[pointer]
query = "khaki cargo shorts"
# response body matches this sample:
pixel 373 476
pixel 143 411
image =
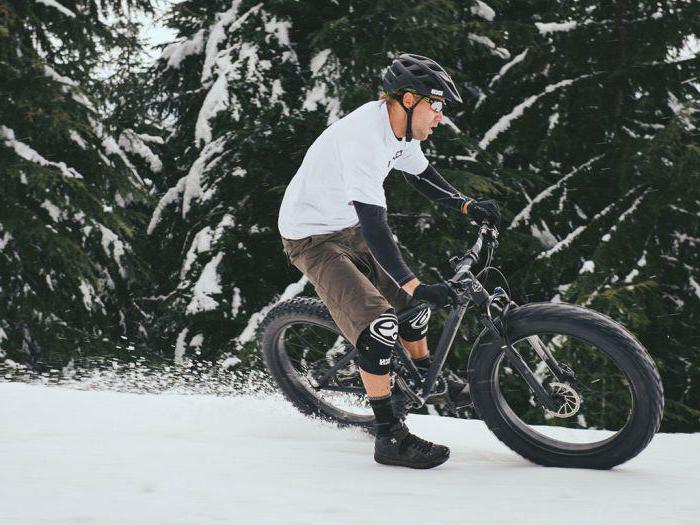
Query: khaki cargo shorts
pixel 347 278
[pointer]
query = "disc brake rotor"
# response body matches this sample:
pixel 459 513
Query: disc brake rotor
pixel 569 398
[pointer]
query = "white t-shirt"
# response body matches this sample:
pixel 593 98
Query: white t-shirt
pixel 348 162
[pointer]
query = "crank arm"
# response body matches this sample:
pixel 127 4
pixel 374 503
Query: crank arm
pixel 535 386
pixel 323 380
pixel 414 398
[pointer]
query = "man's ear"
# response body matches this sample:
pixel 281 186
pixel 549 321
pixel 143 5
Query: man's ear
pixel 409 99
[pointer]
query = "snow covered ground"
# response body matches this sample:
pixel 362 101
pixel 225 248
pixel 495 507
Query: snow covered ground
pixel 71 456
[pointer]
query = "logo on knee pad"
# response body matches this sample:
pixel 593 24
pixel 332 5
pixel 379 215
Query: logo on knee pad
pixel 385 329
pixel 420 320
pixel 385 362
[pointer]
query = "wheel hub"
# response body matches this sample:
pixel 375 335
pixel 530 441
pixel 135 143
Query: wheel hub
pixel 569 399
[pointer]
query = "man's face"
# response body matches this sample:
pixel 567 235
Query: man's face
pixel 425 119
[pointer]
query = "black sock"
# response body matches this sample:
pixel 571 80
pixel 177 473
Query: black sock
pixel 384 414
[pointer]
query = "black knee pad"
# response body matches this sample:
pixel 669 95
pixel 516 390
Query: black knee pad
pixel 415 327
pixel 376 342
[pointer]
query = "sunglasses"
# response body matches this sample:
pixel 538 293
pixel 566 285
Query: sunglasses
pixel 436 105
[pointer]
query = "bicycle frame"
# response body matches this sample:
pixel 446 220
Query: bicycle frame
pixel 471 290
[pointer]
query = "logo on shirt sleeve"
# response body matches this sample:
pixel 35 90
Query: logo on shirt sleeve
pixel 393 159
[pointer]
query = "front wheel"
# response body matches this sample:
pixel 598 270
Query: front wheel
pixel 608 414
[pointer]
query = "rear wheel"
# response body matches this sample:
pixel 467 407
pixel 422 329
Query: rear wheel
pixel 606 416
pixel 300 345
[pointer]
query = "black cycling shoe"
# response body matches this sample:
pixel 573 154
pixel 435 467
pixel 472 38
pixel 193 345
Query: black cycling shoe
pixel 401 448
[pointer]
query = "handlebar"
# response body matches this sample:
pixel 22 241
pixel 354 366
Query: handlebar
pixel 463 264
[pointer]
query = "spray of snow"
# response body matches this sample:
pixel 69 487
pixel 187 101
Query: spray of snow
pixel 524 215
pixel 505 121
pixel 26 152
pixel 59 7
pixel 500 52
pixel 207 285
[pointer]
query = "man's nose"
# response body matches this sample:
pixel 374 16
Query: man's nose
pixel 439 117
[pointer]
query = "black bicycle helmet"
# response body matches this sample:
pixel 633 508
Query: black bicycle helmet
pixel 421 75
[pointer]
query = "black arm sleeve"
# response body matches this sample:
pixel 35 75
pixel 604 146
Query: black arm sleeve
pixel 380 242
pixel 431 185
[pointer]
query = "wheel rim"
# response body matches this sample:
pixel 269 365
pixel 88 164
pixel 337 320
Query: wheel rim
pixel 591 417
pixel 307 352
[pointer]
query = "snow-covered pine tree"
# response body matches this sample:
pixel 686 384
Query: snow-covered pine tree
pixel 599 107
pixel 249 87
pixel 71 201
pixel 227 86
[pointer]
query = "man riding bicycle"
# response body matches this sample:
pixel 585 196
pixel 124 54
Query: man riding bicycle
pixel 334 229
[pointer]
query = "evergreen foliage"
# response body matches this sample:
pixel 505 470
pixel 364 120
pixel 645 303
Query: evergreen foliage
pixel 71 203
pixel 580 118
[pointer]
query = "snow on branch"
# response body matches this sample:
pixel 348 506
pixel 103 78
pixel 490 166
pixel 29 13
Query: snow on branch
pixel 61 8
pixel 133 143
pixel 483 10
pixel 505 121
pixel 501 52
pixel 254 321
pixel 217 34
pixel 555 27
pixel 176 52
pixel 524 215
pixel 318 94
pixel 507 66
pixel 208 284
pixel 26 152
pixel 189 185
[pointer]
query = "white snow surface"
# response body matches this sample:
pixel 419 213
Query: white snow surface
pixel 118 458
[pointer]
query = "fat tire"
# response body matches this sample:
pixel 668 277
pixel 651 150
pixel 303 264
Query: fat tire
pixel 606 335
pixel 301 310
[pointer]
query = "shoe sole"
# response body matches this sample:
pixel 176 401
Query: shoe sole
pixel 398 463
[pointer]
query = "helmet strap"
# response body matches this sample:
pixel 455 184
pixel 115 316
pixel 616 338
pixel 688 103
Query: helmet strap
pixel 409 117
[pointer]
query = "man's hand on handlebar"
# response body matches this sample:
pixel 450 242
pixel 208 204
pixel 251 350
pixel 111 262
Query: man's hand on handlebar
pixel 484 211
pixel 440 294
